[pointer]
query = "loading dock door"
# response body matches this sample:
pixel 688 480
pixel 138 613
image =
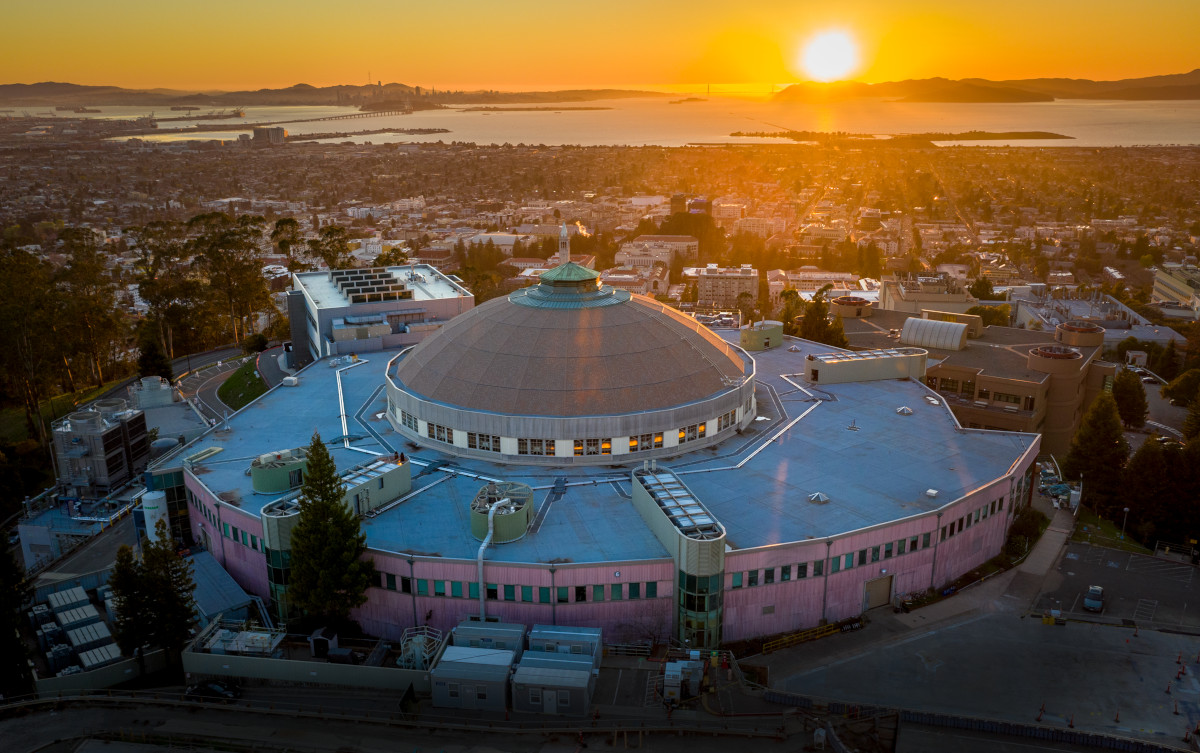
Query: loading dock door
pixel 877 592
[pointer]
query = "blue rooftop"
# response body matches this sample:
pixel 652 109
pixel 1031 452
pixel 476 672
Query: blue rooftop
pixel 851 445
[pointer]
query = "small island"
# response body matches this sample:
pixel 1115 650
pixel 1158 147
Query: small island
pixel 687 99
pixel 901 139
pixel 530 109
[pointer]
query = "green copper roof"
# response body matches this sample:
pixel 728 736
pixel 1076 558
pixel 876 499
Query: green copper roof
pixel 568 286
pixel 569 273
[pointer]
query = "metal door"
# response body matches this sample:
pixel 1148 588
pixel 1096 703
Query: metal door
pixel 550 701
pixel 877 592
pixel 468 696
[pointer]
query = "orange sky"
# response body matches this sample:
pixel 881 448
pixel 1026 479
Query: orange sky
pixel 226 44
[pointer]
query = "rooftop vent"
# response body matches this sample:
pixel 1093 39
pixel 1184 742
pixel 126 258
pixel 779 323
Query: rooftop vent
pixel 904 410
pixel 818 498
pixel 931 493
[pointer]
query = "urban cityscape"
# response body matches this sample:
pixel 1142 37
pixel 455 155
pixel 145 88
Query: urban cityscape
pixel 859 412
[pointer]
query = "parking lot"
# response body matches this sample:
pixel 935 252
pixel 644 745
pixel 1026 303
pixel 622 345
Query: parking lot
pixel 1137 588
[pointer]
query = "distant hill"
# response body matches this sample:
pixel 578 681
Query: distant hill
pixel 1169 87
pixel 54 93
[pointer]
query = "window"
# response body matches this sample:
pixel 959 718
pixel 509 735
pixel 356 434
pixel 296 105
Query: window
pixel 535 696
pixel 422 587
pixel 802 570
pixel 785 572
pixel 562 594
pixel 597 593
pixel 874 554
pixel 245 539
pixel 1000 504
pixel 488 442
pixel 1003 397
pixel 295 478
pixel 736 582
pixel 692 433
pixel 993 507
pixel 887 550
pixel 849 562
pixel 616 591
pixel 635 590
pixel 405 585
pixel 752 579
pixel 493 591
pixel 818 568
pixel 984 394
pixel 535 446
pixel 456 590
pixel 472 590
pixel 235 533
pixel 943 533
pixel 452 690
pixel 644 442
pixel 510 593
pixel 439 588
pixel 593 446
pixel 960 525
pixel 925 540
pixel 726 420
pixel 949 385
pixel 389 581
pixel 862 557
pixel 912 543
pixel 481 692
pixel 408 420
pixel 440 433
pixel 769 575
pixel 835 564
pixel 652 589
pixel 527 593
pixel 982 512
pixel 900 545
pixel 976 516
pixel 544 594
pixel 254 542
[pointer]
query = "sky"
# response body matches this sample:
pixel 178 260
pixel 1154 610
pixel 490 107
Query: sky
pixel 519 44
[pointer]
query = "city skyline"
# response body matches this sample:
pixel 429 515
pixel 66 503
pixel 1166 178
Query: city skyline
pixel 469 45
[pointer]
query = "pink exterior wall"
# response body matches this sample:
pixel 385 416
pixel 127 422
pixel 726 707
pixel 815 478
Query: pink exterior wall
pixel 247 566
pixel 387 613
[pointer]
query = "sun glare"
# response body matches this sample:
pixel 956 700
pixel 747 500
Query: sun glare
pixel 829 56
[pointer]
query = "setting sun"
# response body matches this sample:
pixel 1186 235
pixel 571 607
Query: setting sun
pixel 829 56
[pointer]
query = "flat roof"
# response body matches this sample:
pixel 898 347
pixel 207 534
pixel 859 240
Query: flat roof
pixel 845 441
pixel 425 282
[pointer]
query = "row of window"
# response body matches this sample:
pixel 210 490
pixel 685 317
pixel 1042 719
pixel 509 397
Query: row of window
pixel 456 589
pixel 966 388
pixel 538 446
pixel 726 420
pixel 440 433
pixel 971 518
pixel 645 442
pixel 837 563
pixel 593 447
pixel 690 433
pixel 408 420
pixel 488 442
pixel 246 539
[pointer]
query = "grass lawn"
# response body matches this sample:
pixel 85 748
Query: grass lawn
pixel 12 420
pixel 1094 530
pixel 241 387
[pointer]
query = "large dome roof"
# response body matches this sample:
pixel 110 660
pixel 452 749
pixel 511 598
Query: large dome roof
pixel 570 347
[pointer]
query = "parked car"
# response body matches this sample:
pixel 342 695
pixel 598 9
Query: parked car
pixel 1093 600
pixel 214 690
pixel 1149 380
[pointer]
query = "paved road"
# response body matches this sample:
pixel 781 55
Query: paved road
pixel 268 366
pixel 95 555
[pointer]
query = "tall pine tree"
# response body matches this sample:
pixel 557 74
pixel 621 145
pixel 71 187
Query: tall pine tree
pixel 329 576
pixel 169 592
pixel 1097 455
pixel 131 628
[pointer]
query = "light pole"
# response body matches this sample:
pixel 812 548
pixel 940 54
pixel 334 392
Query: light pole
pixel 1123 523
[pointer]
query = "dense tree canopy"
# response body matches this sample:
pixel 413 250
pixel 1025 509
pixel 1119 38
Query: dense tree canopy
pixel 15 677
pixel 993 316
pixel 816 326
pixel 1130 396
pixel 1097 455
pixel 154 597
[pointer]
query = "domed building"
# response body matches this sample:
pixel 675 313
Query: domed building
pixel 571 371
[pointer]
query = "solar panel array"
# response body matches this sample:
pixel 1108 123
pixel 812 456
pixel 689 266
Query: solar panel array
pixel 680 506
pixel 369 285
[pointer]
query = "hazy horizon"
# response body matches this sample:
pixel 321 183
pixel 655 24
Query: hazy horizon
pixel 226 45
